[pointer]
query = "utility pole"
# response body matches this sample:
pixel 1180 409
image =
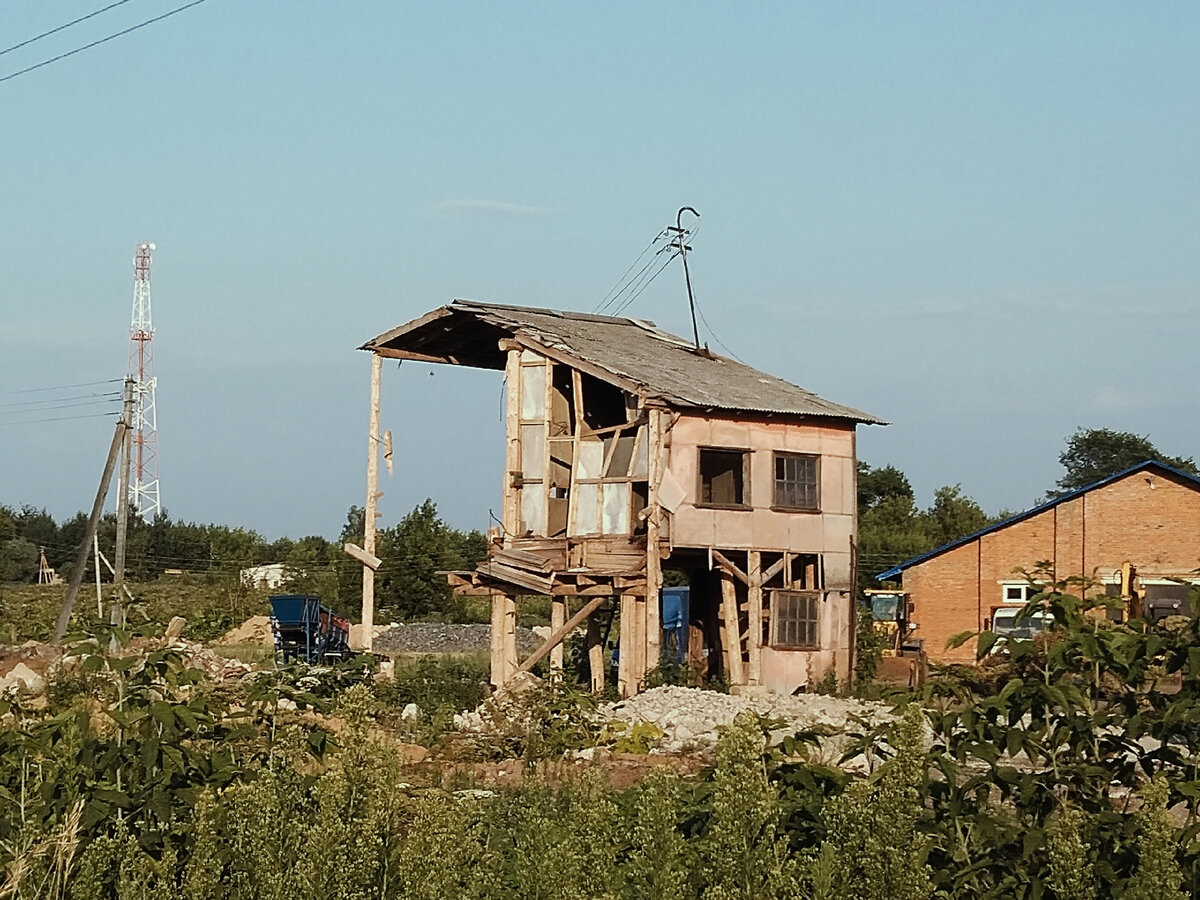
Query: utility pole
pixel 64 615
pixel 118 614
pixel 681 245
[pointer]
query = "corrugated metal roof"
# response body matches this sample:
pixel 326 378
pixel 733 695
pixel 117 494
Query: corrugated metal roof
pixel 634 351
pixel 1029 513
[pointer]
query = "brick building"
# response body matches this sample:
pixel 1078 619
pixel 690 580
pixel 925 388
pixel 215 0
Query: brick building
pixel 1148 515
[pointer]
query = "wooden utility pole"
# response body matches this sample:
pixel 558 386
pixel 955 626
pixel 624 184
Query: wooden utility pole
pixel 64 615
pixel 370 514
pixel 118 614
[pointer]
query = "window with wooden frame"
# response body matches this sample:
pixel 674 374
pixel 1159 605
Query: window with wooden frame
pixel 797 481
pixel 795 619
pixel 724 478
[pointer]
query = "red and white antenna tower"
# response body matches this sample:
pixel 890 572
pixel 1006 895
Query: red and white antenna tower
pixel 143 483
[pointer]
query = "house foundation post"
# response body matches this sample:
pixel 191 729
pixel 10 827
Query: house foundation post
pixel 595 645
pixel 731 637
pixel 754 594
pixel 558 617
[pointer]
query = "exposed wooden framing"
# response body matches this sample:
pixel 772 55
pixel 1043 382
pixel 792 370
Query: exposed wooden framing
pixel 558 634
pixel 731 637
pixel 522 559
pixel 547 413
pixel 653 434
pixel 773 570
pixel 418 357
pixel 595 645
pixel 497 639
pixel 510 636
pixel 582 365
pixel 600 432
pixel 558 615
pixel 519 577
pixel 626 683
pixel 788 579
pixel 512 449
pixel 723 561
pixel 754 602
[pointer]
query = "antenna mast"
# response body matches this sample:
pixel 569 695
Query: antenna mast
pixel 143 486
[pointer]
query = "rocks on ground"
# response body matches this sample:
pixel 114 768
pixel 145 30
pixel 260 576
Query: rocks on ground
pixel 438 637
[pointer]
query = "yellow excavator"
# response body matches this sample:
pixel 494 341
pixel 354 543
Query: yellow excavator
pixel 904 659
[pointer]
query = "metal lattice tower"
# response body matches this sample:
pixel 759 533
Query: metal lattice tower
pixel 143 482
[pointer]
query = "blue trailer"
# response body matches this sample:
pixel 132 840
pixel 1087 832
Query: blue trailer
pixel 306 630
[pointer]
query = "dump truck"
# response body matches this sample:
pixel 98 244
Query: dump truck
pixel 306 630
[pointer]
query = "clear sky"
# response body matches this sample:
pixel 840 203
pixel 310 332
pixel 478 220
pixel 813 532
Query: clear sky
pixel 978 221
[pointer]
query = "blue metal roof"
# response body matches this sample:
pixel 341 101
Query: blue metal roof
pixel 1029 513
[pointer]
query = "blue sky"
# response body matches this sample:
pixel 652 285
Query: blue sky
pixel 977 221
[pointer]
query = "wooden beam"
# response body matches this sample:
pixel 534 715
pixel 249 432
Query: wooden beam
pixel 497 639
pixel 595 645
pixel 729 567
pixel 536 583
pixel 626 684
pixel 754 600
pixel 731 638
pixel 370 560
pixel 509 643
pixel 557 636
pixel 654 579
pixel 370 514
pixel 773 570
pixel 558 615
pixel 511 514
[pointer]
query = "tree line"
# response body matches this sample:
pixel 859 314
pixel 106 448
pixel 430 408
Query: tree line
pixel 891 529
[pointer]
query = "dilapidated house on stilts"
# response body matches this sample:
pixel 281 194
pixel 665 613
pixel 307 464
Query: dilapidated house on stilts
pixel 630 452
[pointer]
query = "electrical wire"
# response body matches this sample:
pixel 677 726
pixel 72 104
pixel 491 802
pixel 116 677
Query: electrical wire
pixel 102 40
pixel 62 27
pixel 62 387
pixel 114 415
pixel 605 301
pixel 44 401
pixel 637 279
pixel 646 284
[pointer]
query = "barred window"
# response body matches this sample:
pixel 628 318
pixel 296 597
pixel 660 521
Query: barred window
pixel 794 619
pixel 796 480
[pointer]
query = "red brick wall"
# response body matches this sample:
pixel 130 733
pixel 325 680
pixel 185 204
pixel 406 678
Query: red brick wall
pixel 1148 518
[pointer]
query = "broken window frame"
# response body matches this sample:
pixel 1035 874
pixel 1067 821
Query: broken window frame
pixel 796 620
pixel 778 499
pixel 744 502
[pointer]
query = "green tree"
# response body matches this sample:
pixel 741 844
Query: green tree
pixel 953 515
pixel 1094 454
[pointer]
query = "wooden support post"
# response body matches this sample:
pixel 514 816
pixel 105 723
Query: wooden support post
pixel 64 614
pixel 754 594
pixel 558 616
pixel 511 513
pixel 497 640
pixel 510 636
pixel 731 637
pixel 595 644
pixel 653 646
pixel 626 683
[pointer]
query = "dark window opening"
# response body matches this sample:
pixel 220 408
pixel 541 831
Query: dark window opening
pixel 723 477
pixel 797 478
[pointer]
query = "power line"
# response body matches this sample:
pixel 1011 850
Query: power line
pixel 102 40
pixel 605 301
pixel 64 418
pixel 633 283
pixel 62 387
pixel 61 27
pixel 645 285
pixel 45 400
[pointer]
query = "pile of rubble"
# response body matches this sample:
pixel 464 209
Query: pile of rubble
pixel 436 637
pixel 690 718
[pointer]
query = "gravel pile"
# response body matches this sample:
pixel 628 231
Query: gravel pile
pixel 434 637
pixel 690 717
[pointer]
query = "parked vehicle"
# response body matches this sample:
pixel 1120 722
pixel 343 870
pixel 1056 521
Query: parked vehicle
pixel 306 630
